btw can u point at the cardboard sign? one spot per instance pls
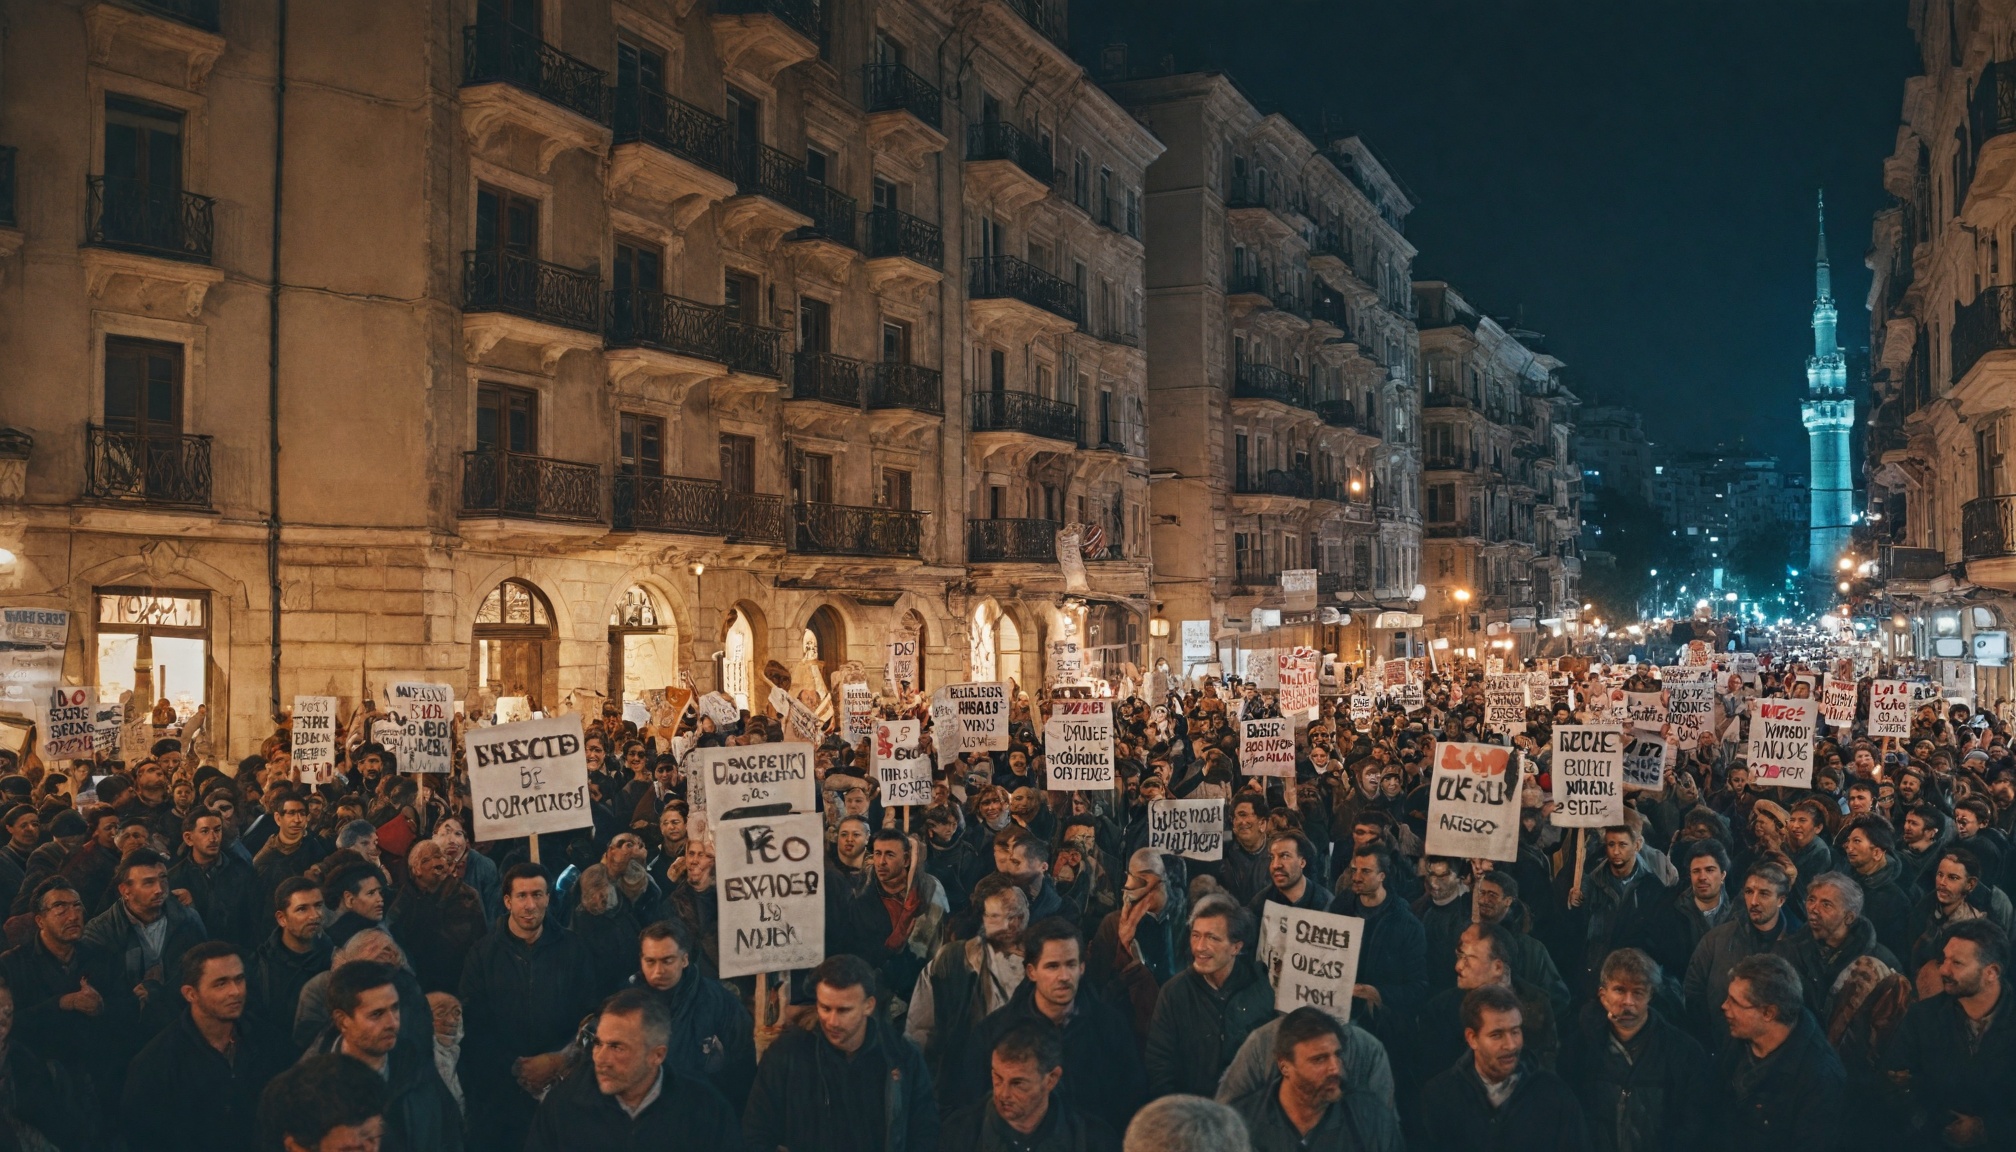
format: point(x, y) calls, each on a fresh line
point(315, 739)
point(1263, 667)
point(1067, 662)
point(1196, 643)
point(67, 732)
point(426, 740)
point(1494, 666)
point(1690, 704)
point(1473, 806)
point(1645, 709)
point(800, 723)
point(514, 709)
point(1505, 703)
point(720, 709)
point(1299, 671)
point(1361, 710)
point(1298, 589)
point(106, 720)
point(979, 714)
point(902, 661)
point(771, 872)
point(1837, 702)
point(528, 778)
point(1267, 747)
point(903, 771)
point(757, 776)
point(1890, 704)
point(1781, 742)
point(1588, 773)
point(1315, 961)
point(35, 627)
point(857, 710)
point(1645, 755)
point(1192, 829)
point(1078, 746)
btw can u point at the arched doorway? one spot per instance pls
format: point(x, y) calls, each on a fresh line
point(825, 649)
point(512, 639)
point(737, 672)
point(643, 645)
point(1008, 651)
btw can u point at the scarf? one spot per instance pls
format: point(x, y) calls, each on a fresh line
point(902, 914)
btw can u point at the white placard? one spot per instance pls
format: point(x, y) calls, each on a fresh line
point(720, 709)
point(800, 723)
point(1297, 672)
point(1067, 661)
point(1473, 808)
point(1837, 702)
point(1192, 829)
point(636, 712)
point(1781, 742)
point(36, 627)
point(1298, 589)
point(757, 775)
point(513, 709)
point(1588, 772)
point(1196, 643)
point(772, 877)
point(1267, 747)
point(857, 706)
point(315, 739)
point(1505, 703)
point(902, 661)
point(527, 778)
point(1316, 962)
point(1645, 709)
point(1890, 703)
point(1645, 755)
point(105, 724)
point(67, 732)
point(1690, 704)
point(1263, 667)
point(979, 717)
point(901, 769)
point(426, 741)
point(1078, 746)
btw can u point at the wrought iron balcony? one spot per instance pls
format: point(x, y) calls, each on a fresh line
point(834, 379)
point(1006, 277)
point(802, 16)
point(832, 213)
point(849, 530)
point(899, 234)
point(195, 13)
point(672, 125)
point(521, 486)
point(910, 386)
point(1265, 382)
point(1447, 400)
point(1900, 563)
point(1046, 17)
point(761, 170)
point(7, 217)
point(1276, 482)
point(496, 281)
point(136, 217)
point(1338, 413)
point(1452, 529)
point(1249, 191)
point(894, 88)
point(1024, 412)
point(1986, 325)
point(495, 52)
point(641, 318)
point(1988, 528)
point(666, 504)
point(1253, 282)
point(752, 517)
point(1008, 541)
point(752, 349)
point(162, 469)
point(1991, 112)
point(999, 140)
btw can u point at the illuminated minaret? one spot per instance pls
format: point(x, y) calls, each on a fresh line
point(1829, 415)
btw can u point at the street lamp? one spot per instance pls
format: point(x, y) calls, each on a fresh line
point(1462, 596)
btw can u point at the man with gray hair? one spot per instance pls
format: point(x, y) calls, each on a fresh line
point(1186, 1124)
point(1782, 1087)
point(1207, 1011)
point(627, 1098)
point(1837, 935)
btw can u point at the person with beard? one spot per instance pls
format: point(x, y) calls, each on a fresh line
point(1837, 934)
point(1495, 1096)
point(1870, 847)
point(290, 851)
point(293, 954)
point(1023, 1112)
point(151, 802)
point(1924, 835)
point(1953, 1058)
point(1243, 870)
point(1434, 1036)
point(219, 885)
point(1639, 1078)
point(712, 1033)
point(1609, 902)
point(70, 1002)
point(1973, 829)
point(148, 932)
point(1289, 855)
point(1958, 894)
point(950, 857)
point(1765, 919)
point(1671, 929)
point(969, 979)
point(893, 919)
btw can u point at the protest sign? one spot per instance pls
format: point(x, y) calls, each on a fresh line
point(902, 661)
point(1837, 702)
point(36, 627)
point(771, 871)
point(1393, 673)
point(315, 739)
point(903, 771)
point(31, 657)
point(761, 776)
point(800, 723)
point(1473, 808)
point(1078, 746)
point(66, 726)
point(1890, 709)
point(1781, 742)
point(667, 712)
point(1067, 661)
point(857, 708)
point(1316, 962)
point(1267, 747)
point(1192, 829)
point(1690, 704)
point(1263, 667)
point(105, 723)
point(1588, 773)
point(1196, 643)
point(1413, 697)
point(721, 709)
point(513, 709)
point(1536, 688)
point(1298, 589)
point(527, 778)
point(979, 714)
point(426, 741)
point(1645, 709)
point(1361, 709)
point(1494, 666)
point(1645, 759)
point(1297, 673)
point(1505, 702)
point(944, 728)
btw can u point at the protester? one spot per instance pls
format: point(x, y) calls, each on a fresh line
point(196, 1085)
point(709, 1036)
point(1640, 1079)
point(1306, 1106)
point(1206, 1012)
point(1494, 1097)
point(626, 1096)
point(1023, 1112)
point(1780, 1087)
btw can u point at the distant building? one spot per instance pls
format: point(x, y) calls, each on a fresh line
point(1829, 414)
point(1714, 503)
point(1615, 456)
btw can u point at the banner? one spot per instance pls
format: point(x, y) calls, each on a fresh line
point(771, 871)
point(1645, 709)
point(527, 778)
point(1315, 962)
point(1299, 670)
point(1196, 643)
point(1473, 809)
point(903, 772)
point(756, 776)
point(1690, 704)
point(315, 739)
point(1071, 558)
point(857, 708)
point(944, 728)
point(1837, 702)
point(1067, 662)
point(1298, 589)
point(980, 718)
point(426, 739)
point(106, 720)
point(1078, 746)
point(31, 656)
point(902, 662)
point(1192, 829)
point(1588, 771)
point(1781, 742)
point(1505, 703)
point(800, 723)
point(67, 732)
point(1645, 760)
point(1267, 747)
point(1890, 703)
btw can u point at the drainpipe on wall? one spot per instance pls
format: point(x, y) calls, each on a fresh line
point(273, 357)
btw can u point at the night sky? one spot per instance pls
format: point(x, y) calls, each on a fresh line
point(1634, 178)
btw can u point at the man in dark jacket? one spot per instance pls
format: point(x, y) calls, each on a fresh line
point(1306, 1103)
point(1392, 966)
point(1954, 1057)
point(712, 1036)
point(950, 857)
point(420, 1113)
point(842, 1085)
point(1836, 935)
point(1613, 897)
point(70, 1004)
point(1243, 871)
point(524, 991)
point(290, 851)
point(969, 979)
point(1764, 921)
point(294, 953)
point(1023, 1111)
point(146, 932)
point(1671, 928)
point(1640, 1079)
point(436, 918)
point(1780, 1088)
point(628, 1095)
point(1806, 844)
point(1207, 1011)
point(1290, 856)
point(1492, 1098)
point(195, 1087)
point(1444, 911)
point(218, 886)
point(91, 866)
point(1870, 847)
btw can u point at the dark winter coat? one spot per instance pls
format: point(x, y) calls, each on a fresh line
point(1819, 966)
point(1946, 1073)
point(1441, 925)
point(275, 975)
point(114, 933)
point(421, 1115)
point(979, 1128)
point(437, 929)
point(1791, 1101)
point(688, 1115)
point(1887, 905)
point(1392, 958)
point(1197, 1029)
point(1541, 1115)
point(1103, 1075)
point(96, 1044)
point(811, 1097)
point(518, 1000)
point(228, 898)
point(713, 1037)
point(1649, 1102)
point(1707, 977)
point(182, 1095)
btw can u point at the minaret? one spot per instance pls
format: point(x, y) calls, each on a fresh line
point(1829, 414)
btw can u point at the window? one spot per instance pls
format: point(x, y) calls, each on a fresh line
point(521, 14)
point(172, 627)
point(1244, 556)
point(1441, 503)
point(997, 502)
point(741, 298)
point(813, 479)
point(884, 194)
point(507, 418)
point(887, 51)
point(1239, 457)
point(640, 266)
point(1080, 170)
point(639, 66)
point(1105, 202)
point(895, 342)
point(745, 116)
point(815, 325)
point(641, 445)
point(815, 165)
point(1988, 479)
point(1043, 381)
point(997, 370)
point(738, 463)
point(143, 386)
point(506, 223)
point(895, 489)
point(143, 145)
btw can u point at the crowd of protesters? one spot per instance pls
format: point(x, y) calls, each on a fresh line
point(220, 958)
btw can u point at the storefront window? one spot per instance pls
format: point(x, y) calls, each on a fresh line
point(169, 628)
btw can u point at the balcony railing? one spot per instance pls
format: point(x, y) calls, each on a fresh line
point(666, 504)
point(833, 215)
point(834, 379)
point(494, 281)
point(672, 125)
point(1986, 325)
point(1010, 541)
point(1899, 563)
point(1024, 412)
point(1451, 529)
point(171, 470)
point(195, 13)
point(1265, 382)
point(1988, 528)
point(1447, 400)
point(999, 140)
point(761, 170)
point(848, 530)
point(1338, 413)
point(638, 317)
point(802, 16)
point(752, 349)
point(1116, 331)
point(910, 386)
point(1046, 17)
point(1991, 112)
point(1276, 482)
point(1128, 437)
point(754, 518)
point(894, 88)
point(7, 217)
point(894, 233)
point(137, 217)
point(514, 484)
point(1250, 283)
point(998, 277)
point(495, 52)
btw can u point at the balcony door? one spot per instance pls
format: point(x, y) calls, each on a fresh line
point(507, 419)
point(520, 14)
point(895, 342)
point(812, 479)
point(640, 278)
point(641, 445)
point(143, 146)
point(140, 453)
point(815, 325)
point(888, 52)
point(507, 223)
point(745, 118)
point(639, 66)
point(738, 463)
